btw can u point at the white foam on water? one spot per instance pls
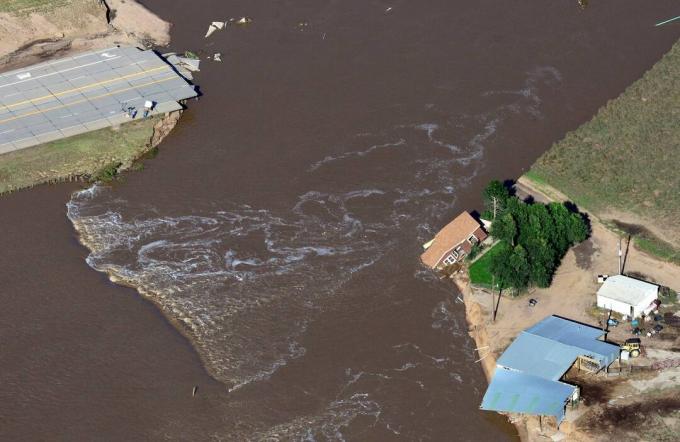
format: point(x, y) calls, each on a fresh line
point(356, 153)
point(430, 129)
point(329, 423)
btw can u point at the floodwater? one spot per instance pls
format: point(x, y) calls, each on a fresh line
point(279, 228)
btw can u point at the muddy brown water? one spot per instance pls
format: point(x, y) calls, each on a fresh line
point(281, 223)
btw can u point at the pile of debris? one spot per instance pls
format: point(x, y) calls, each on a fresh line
point(220, 25)
point(184, 64)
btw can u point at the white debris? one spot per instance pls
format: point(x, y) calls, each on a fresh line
point(214, 26)
point(217, 56)
point(240, 21)
point(190, 64)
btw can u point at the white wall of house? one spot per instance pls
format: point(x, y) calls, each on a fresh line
point(623, 307)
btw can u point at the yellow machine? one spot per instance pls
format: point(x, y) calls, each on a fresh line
point(632, 346)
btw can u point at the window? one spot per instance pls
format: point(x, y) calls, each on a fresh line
point(473, 239)
point(451, 259)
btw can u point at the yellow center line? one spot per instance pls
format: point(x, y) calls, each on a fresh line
point(84, 100)
point(81, 88)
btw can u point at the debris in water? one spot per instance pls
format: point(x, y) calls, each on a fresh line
point(194, 391)
point(214, 26)
point(388, 10)
point(303, 26)
point(583, 4)
point(240, 21)
point(217, 56)
point(192, 55)
point(667, 21)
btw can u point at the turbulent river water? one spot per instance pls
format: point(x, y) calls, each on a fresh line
point(280, 227)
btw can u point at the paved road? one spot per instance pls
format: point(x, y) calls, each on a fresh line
point(78, 94)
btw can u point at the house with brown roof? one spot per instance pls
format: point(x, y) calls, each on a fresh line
point(453, 242)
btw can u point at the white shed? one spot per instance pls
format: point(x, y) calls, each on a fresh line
point(628, 296)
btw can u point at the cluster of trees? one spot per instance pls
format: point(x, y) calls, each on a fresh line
point(534, 237)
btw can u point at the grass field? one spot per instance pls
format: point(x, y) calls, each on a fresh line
point(88, 154)
point(625, 163)
point(479, 270)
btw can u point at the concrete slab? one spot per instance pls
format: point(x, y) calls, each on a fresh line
point(43, 128)
point(51, 136)
point(73, 130)
point(25, 142)
point(97, 124)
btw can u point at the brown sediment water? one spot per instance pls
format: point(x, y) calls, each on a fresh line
point(279, 228)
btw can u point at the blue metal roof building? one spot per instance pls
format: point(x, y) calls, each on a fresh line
point(513, 392)
point(528, 372)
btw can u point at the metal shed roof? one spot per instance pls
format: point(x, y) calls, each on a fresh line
point(550, 347)
point(628, 290)
point(528, 372)
point(515, 392)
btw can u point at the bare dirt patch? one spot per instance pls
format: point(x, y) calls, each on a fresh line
point(29, 33)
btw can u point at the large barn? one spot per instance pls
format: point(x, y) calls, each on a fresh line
point(528, 374)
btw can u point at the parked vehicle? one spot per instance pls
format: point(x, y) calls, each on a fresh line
point(632, 346)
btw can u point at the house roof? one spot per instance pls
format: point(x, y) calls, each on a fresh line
point(550, 347)
point(529, 370)
point(515, 392)
point(628, 290)
point(450, 236)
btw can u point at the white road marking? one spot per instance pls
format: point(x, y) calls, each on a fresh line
point(57, 72)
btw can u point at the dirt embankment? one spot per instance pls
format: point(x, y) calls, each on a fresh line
point(43, 29)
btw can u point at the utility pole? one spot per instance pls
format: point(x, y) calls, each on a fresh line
point(494, 207)
point(495, 309)
point(620, 257)
point(493, 296)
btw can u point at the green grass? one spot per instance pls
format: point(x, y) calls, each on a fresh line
point(479, 270)
point(90, 155)
point(28, 6)
point(658, 248)
point(627, 158)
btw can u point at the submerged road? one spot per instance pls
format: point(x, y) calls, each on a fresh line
point(78, 94)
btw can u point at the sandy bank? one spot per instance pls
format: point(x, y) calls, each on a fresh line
point(32, 33)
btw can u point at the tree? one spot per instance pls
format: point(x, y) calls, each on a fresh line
point(505, 229)
point(542, 261)
point(495, 196)
point(578, 228)
point(510, 267)
point(534, 237)
point(520, 270)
